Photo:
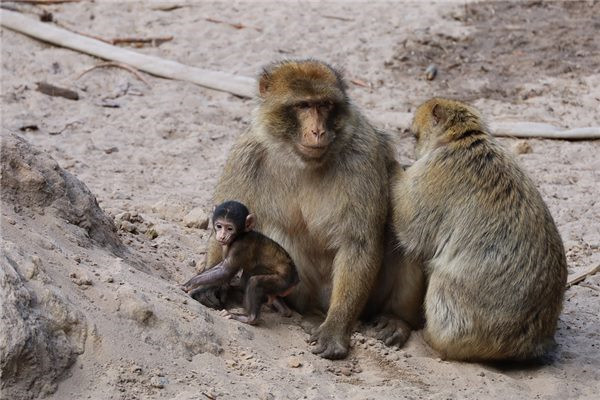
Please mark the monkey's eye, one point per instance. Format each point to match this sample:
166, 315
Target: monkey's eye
218, 226
328, 105
230, 229
303, 105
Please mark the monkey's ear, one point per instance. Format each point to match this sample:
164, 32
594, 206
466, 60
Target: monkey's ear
438, 113
250, 222
264, 83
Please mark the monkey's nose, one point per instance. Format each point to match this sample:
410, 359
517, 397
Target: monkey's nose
318, 134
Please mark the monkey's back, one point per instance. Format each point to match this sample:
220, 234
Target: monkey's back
497, 252
263, 256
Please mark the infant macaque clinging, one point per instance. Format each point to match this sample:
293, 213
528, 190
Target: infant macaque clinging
268, 272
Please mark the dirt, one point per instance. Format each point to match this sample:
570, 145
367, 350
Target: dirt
152, 154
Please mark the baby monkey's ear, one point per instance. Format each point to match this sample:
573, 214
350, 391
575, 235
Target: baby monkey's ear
250, 222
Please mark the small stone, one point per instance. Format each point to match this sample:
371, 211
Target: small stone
136, 369
111, 150
110, 279
294, 362
345, 371
127, 226
151, 233
407, 355
191, 263
522, 147
481, 373
196, 218
158, 382
77, 259
431, 72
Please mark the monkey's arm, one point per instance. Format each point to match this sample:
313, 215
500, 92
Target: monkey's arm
214, 253
219, 274
355, 269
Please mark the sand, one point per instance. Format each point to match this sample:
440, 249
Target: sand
155, 152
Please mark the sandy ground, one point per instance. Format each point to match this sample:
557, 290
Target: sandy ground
157, 151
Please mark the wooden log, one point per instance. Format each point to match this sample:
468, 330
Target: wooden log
239, 85
543, 131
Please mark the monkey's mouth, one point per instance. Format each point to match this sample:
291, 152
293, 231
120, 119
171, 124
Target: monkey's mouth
312, 151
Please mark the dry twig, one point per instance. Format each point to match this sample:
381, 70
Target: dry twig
338, 18
56, 91
42, 2
116, 65
576, 278
155, 41
234, 25
359, 82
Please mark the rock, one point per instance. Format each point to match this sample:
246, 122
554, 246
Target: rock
522, 147
151, 233
45, 333
294, 362
158, 382
32, 179
196, 218
134, 306
169, 208
346, 371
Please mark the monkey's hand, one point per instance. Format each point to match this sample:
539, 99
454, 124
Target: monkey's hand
390, 330
330, 343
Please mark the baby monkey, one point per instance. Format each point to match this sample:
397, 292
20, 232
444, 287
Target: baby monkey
268, 272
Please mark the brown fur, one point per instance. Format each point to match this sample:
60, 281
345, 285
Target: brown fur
495, 261
328, 212
267, 269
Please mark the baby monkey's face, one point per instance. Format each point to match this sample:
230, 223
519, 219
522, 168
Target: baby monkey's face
225, 231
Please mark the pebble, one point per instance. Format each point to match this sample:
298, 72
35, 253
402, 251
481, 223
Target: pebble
522, 147
158, 382
431, 72
294, 362
196, 218
345, 371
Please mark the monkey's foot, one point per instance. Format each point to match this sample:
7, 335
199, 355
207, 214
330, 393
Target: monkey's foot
390, 330
184, 288
328, 344
246, 319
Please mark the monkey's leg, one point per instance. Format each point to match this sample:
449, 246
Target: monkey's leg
280, 306
355, 271
258, 286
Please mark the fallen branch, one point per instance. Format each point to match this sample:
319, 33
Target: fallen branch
338, 18
116, 65
543, 131
42, 2
233, 24
360, 82
578, 277
56, 91
237, 85
156, 41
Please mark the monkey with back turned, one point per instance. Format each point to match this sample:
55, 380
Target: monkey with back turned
493, 256
268, 272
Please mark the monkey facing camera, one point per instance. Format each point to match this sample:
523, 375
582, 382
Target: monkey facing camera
316, 174
268, 272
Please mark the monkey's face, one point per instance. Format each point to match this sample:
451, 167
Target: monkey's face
225, 231
314, 137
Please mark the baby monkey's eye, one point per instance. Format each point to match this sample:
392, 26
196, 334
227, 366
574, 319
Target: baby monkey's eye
303, 105
230, 229
218, 226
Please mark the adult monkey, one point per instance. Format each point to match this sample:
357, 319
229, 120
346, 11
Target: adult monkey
316, 174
